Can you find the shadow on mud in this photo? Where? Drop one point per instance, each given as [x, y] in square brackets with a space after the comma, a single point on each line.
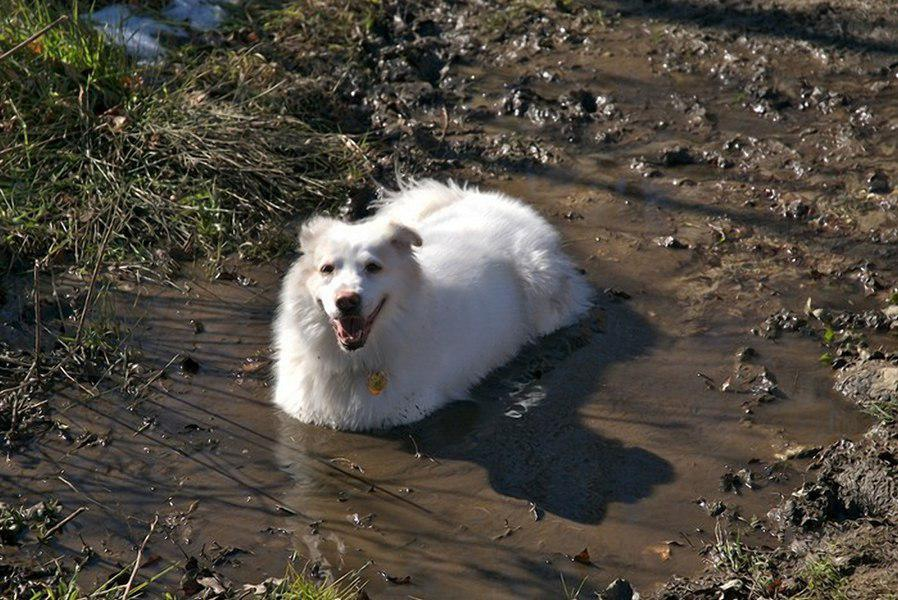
[819, 23]
[524, 428]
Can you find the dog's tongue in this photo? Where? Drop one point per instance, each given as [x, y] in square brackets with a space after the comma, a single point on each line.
[351, 327]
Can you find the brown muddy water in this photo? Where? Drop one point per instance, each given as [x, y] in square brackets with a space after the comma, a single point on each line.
[604, 437]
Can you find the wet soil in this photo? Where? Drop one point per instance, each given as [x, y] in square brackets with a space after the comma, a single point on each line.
[707, 166]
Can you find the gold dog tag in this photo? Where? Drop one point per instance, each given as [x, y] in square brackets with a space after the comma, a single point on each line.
[377, 382]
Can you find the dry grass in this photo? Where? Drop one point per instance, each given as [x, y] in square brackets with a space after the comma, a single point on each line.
[211, 153]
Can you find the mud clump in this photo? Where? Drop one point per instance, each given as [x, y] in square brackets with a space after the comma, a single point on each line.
[677, 156]
[619, 589]
[872, 384]
[879, 183]
[855, 480]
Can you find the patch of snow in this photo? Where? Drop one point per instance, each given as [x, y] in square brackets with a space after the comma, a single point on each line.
[201, 15]
[142, 36]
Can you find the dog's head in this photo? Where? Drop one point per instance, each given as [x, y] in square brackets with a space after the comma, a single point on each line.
[357, 272]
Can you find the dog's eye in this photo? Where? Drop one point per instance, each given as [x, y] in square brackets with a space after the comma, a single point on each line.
[373, 267]
[327, 268]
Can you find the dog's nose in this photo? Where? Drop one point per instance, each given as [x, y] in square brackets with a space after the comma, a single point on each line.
[348, 301]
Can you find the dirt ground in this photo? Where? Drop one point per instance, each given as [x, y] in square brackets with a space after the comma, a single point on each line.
[723, 172]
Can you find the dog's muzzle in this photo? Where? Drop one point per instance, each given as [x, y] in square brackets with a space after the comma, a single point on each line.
[352, 330]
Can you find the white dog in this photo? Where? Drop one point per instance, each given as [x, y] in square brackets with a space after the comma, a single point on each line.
[384, 320]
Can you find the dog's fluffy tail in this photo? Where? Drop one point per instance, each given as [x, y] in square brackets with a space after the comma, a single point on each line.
[557, 294]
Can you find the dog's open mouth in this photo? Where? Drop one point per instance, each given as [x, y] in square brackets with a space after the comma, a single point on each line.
[352, 330]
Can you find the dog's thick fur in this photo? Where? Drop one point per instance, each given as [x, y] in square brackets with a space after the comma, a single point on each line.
[489, 277]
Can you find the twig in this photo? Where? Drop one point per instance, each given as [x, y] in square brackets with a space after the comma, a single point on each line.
[139, 556]
[415, 444]
[34, 36]
[80, 493]
[419, 454]
[352, 145]
[37, 316]
[445, 124]
[151, 380]
[101, 249]
[62, 523]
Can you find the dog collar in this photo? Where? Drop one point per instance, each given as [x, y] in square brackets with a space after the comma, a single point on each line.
[377, 382]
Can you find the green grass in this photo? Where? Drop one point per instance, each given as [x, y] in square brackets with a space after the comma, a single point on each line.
[325, 32]
[730, 555]
[54, 581]
[297, 586]
[213, 152]
[104, 162]
[573, 592]
[58, 584]
[817, 578]
[824, 580]
[885, 411]
[16, 520]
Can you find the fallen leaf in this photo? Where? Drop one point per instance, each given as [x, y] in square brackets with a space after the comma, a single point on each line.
[583, 557]
[211, 583]
[254, 365]
[798, 452]
[508, 531]
[662, 550]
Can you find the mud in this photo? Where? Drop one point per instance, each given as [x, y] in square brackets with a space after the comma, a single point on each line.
[844, 519]
[710, 168]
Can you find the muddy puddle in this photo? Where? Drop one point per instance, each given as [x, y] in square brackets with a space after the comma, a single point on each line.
[626, 436]
[604, 437]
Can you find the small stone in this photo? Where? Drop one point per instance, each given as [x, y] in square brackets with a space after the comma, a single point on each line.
[670, 241]
[620, 589]
[798, 452]
[676, 156]
[879, 183]
[796, 209]
[746, 353]
[189, 366]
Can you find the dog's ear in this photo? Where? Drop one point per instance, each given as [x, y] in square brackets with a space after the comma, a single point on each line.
[312, 229]
[403, 236]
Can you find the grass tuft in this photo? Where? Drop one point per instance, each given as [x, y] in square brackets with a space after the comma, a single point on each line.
[325, 32]
[297, 585]
[752, 572]
[824, 580]
[59, 584]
